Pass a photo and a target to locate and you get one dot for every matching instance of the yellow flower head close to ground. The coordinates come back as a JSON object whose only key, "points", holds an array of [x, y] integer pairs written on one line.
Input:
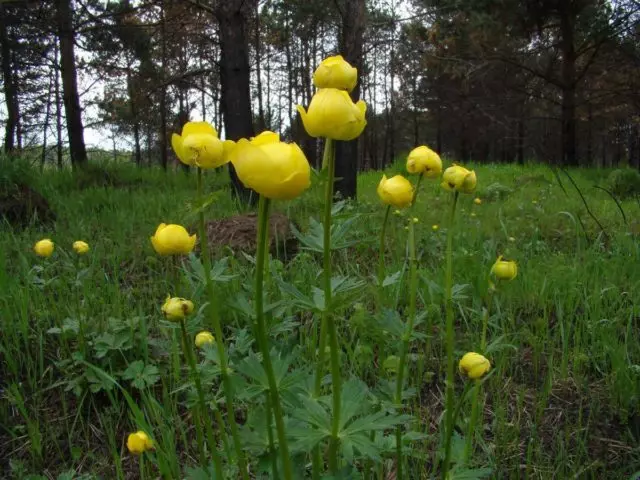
{"points": [[80, 247], [477, 201], [474, 365], [435, 227], [425, 161], [459, 179], [505, 269], [44, 248], [335, 72], [199, 145], [204, 338], [332, 114], [139, 442], [396, 191], [177, 308], [275, 169], [172, 240]]}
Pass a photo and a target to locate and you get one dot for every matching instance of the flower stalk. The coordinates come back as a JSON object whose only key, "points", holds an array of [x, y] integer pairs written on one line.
{"points": [[222, 354], [263, 342], [381, 265], [449, 419]]}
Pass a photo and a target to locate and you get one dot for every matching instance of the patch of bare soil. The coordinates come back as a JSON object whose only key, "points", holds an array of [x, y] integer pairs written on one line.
{"points": [[20, 204]]}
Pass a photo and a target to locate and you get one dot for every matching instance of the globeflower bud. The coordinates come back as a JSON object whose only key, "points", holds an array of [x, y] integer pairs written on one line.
{"points": [[459, 179], [474, 365], [425, 161], [44, 248], [176, 308], [395, 191], [204, 338], [335, 72], [199, 145], [504, 270], [332, 114], [80, 247], [477, 201], [172, 240], [139, 442], [275, 169]]}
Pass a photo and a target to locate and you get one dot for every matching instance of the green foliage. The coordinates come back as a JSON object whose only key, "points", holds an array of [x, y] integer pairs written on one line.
{"points": [[624, 182]]}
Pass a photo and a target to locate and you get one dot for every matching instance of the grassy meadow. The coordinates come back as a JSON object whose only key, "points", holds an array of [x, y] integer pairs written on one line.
{"points": [[86, 356]]}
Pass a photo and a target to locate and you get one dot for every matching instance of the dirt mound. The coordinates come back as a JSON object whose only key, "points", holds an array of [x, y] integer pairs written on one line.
{"points": [[239, 233], [20, 204]]}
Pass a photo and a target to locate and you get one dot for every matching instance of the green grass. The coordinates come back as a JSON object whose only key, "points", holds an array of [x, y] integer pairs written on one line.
{"points": [[562, 399]]}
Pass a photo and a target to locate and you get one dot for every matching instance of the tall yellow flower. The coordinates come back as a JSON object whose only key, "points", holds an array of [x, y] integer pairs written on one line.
{"points": [[457, 178], [505, 270], [176, 308], [80, 247], [474, 365], [332, 114], [199, 145], [172, 240], [335, 72], [139, 442], [274, 169], [396, 191], [425, 161], [44, 248]]}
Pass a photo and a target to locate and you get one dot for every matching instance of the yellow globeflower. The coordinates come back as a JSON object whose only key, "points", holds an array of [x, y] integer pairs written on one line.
{"points": [[176, 308], [80, 247], [332, 114], [504, 270], [199, 145], [274, 169], [173, 240], [204, 338], [474, 365], [425, 161], [396, 191], [459, 179], [139, 442], [335, 72], [435, 227], [44, 248], [477, 201]]}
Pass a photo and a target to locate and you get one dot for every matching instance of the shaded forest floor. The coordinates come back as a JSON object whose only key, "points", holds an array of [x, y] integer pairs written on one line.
{"points": [[562, 401]]}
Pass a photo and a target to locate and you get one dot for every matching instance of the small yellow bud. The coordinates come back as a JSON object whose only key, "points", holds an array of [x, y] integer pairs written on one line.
{"points": [[204, 338], [176, 308], [139, 442], [473, 214], [474, 365], [44, 248], [397, 212], [80, 247], [504, 270], [512, 239], [435, 227], [415, 220], [477, 201]]}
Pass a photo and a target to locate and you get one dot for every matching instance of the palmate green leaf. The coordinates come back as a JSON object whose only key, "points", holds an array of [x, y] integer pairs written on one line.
{"points": [[375, 421], [300, 298], [217, 270], [470, 474], [141, 375], [313, 413], [251, 367], [306, 438], [352, 400], [363, 445]]}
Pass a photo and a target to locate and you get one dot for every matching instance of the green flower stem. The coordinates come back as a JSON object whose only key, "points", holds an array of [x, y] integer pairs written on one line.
{"points": [[381, 257], [485, 317], [328, 162], [272, 448], [406, 337], [201, 415], [217, 327], [449, 338], [263, 342], [475, 407], [141, 462]]}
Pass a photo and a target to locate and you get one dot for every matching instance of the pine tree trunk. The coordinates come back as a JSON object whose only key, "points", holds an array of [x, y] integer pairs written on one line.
{"points": [[568, 109], [352, 38], [56, 86], [70, 95], [164, 156], [235, 80], [10, 90]]}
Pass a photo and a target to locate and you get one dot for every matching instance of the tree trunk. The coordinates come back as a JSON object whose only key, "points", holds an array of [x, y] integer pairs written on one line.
{"points": [[352, 38], [70, 96], [10, 90], [56, 86], [134, 117], [235, 80], [47, 117], [164, 157], [568, 83], [258, 47]]}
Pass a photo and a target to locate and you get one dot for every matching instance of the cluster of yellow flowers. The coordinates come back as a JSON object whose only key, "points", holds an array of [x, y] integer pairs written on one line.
{"points": [[45, 247]]}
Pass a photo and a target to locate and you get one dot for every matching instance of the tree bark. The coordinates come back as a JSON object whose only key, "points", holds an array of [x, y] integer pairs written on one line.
{"points": [[133, 109], [164, 156], [235, 80], [10, 90], [70, 96], [568, 109], [56, 86], [353, 22]]}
